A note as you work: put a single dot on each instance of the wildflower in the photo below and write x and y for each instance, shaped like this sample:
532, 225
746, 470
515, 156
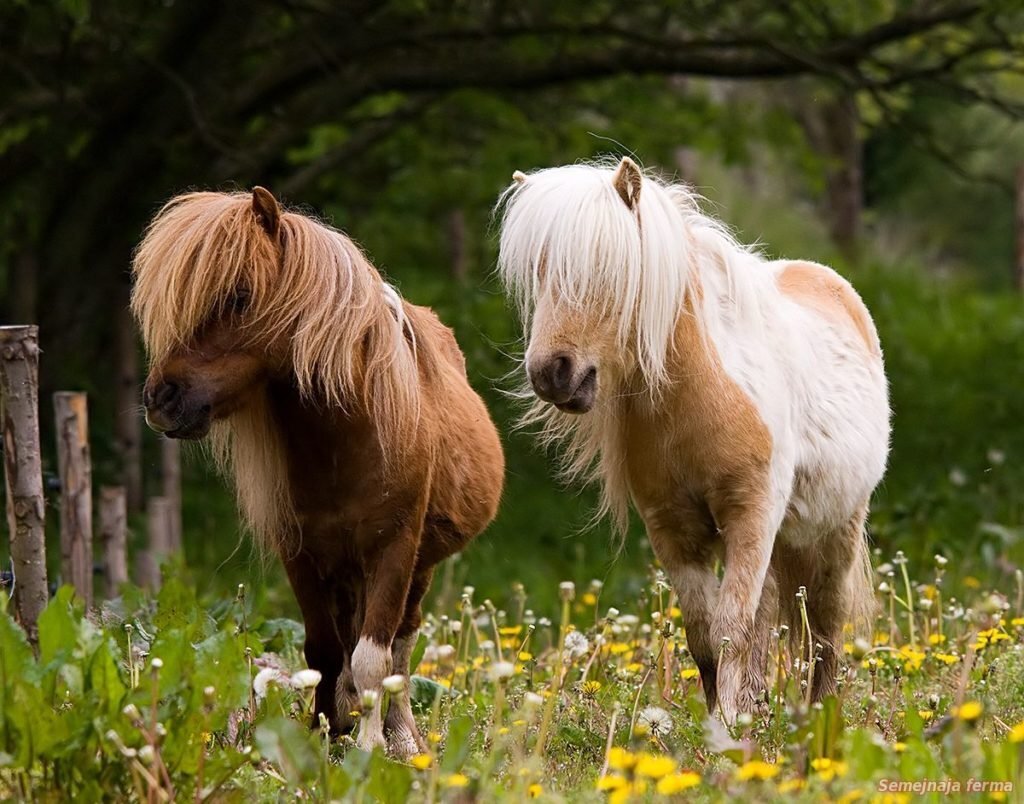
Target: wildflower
969, 711
891, 798
947, 658
1017, 622
620, 759
678, 782
534, 790
576, 644
502, 670
756, 769
957, 476
936, 639
657, 720
369, 699
611, 782
791, 786
689, 672
899, 747
524, 656
589, 599
394, 683
421, 761
445, 652
852, 795
305, 679
567, 590
510, 630
971, 582
266, 677
456, 780
925, 714
828, 769
532, 700
433, 737
654, 766
1017, 733
591, 687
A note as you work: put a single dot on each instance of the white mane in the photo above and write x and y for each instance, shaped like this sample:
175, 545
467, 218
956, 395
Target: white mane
567, 234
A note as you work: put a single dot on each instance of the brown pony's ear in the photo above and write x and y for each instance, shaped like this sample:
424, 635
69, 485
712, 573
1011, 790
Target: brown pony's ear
627, 182
266, 209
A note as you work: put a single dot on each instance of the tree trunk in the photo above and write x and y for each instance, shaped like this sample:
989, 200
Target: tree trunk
128, 424
158, 526
1018, 272
844, 176
71, 409
170, 459
114, 535
457, 244
19, 390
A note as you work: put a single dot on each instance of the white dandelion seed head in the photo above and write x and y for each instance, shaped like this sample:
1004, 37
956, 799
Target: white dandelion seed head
576, 644
445, 652
305, 679
502, 670
265, 677
657, 720
394, 683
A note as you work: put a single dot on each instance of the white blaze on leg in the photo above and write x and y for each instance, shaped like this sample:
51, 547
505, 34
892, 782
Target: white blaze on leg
371, 664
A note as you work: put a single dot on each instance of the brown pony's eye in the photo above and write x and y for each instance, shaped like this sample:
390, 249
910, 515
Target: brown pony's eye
239, 300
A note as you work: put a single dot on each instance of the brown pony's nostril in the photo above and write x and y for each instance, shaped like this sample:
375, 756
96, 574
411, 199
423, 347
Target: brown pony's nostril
166, 395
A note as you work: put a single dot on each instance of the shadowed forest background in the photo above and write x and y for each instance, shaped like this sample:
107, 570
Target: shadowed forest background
880, 137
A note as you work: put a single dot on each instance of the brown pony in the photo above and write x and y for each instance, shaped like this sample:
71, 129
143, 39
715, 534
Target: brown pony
359, 452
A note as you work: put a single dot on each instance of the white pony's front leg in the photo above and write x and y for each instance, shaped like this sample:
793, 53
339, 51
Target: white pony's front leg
741, 621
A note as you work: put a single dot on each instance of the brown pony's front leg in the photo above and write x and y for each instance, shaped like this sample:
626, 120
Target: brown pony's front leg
389, 575
323, 649
400, 730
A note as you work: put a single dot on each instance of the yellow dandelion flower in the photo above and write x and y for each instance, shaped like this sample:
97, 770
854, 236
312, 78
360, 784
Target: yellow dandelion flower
620, 759
689, 672
678, 782
456, 780
848, 647
519, 722
853, 795
676, 612
634, 667
525, 655
1017, 621
589, 599
421, 761
899, 747
503, 731
611, 782
1017, 733
444, 682
881, 638
791, 786
828, 769
936, 639
510, 630
756, 769
925, 714
969, 711
890, 798
971, 582
654, 766
619, 647
591, 687
534, 790
434, 737
997, 795
947, 658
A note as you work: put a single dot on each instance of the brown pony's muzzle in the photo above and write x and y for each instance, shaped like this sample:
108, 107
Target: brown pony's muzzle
560, 380
176, 412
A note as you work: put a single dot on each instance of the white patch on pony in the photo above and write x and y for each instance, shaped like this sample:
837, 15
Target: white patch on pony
371, 664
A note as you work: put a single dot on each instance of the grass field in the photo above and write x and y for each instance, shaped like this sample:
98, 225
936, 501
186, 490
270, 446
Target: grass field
593, 699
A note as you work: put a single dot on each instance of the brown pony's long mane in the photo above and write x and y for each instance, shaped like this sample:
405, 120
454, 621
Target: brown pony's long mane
345, 328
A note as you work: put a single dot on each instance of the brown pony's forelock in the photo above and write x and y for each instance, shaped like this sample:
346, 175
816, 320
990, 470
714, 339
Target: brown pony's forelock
346, 344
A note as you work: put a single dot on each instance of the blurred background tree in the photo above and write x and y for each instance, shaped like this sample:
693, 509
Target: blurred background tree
881, 136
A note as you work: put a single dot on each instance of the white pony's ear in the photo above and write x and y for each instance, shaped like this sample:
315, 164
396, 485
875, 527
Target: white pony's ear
627, 182
519, 177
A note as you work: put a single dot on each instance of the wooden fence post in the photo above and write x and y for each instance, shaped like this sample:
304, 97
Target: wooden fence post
114, 535
158, 525
170, 459
19, 390
72, 416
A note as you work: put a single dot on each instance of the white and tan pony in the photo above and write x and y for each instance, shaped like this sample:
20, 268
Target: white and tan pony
739, 404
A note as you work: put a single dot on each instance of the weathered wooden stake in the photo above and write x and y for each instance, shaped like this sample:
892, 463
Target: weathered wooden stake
19, 391
128, 398
114, 535
72, 417
158, 524
170, 459
1018, 268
